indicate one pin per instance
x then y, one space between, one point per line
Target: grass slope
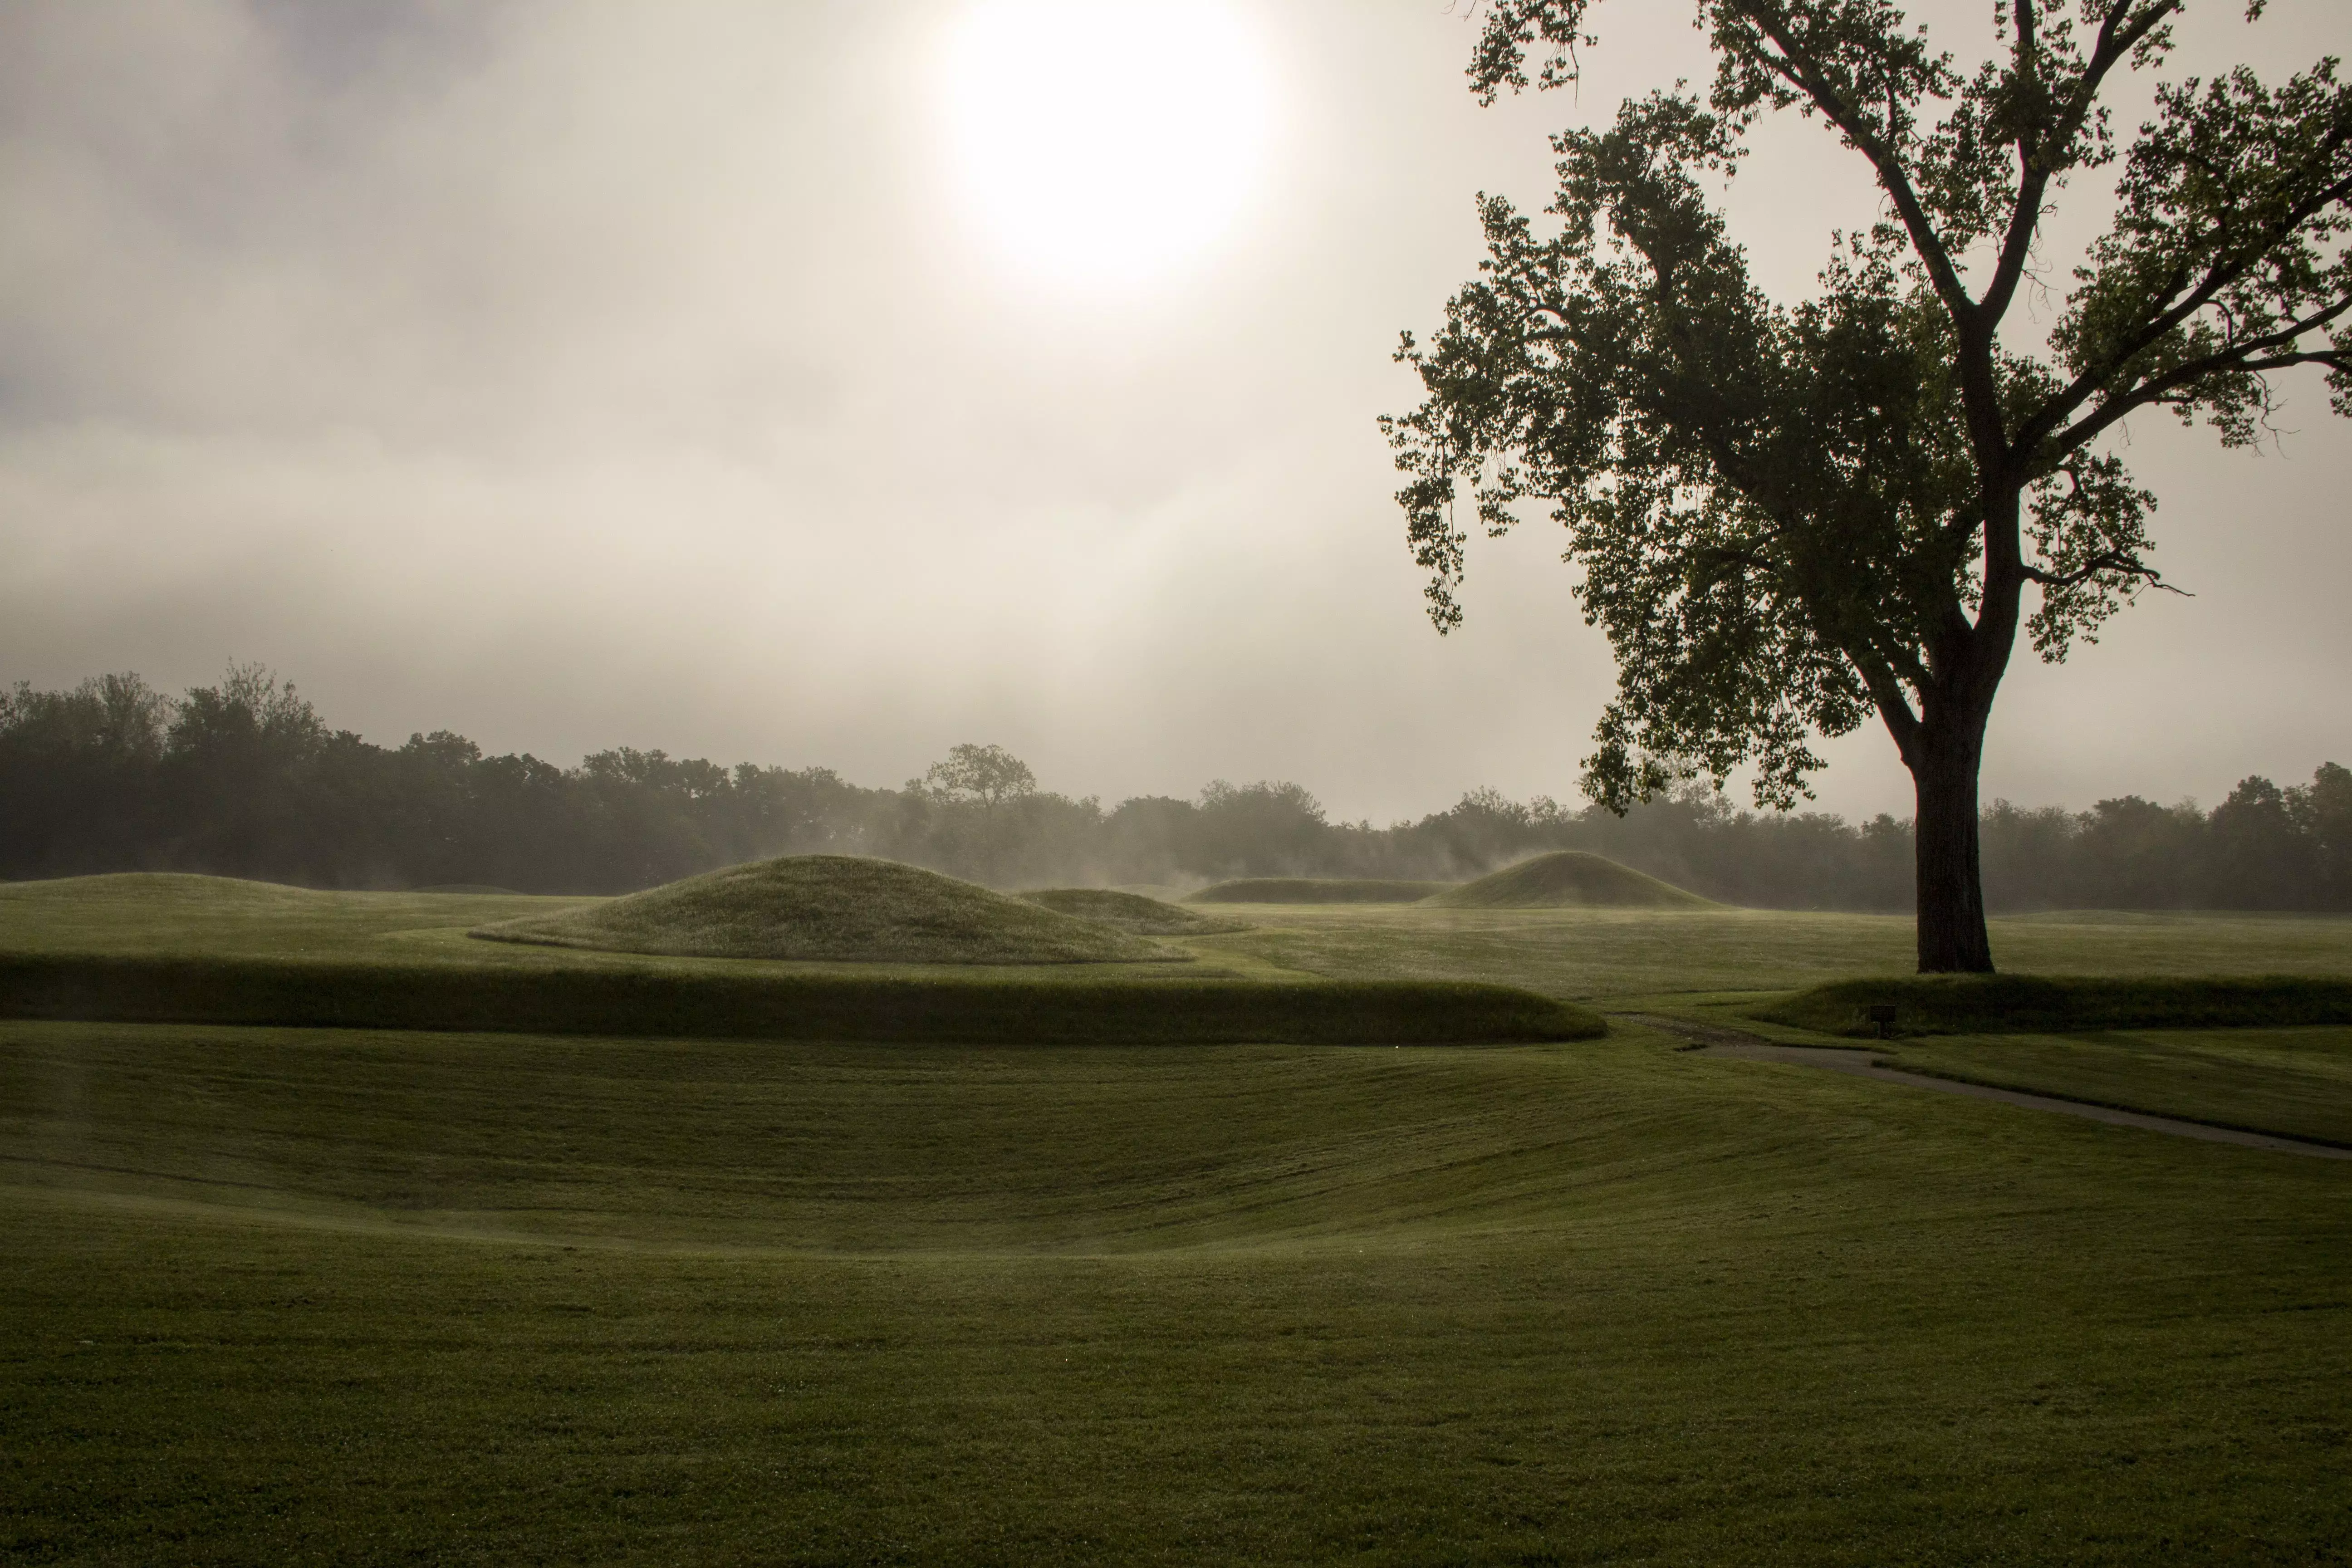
1130 912
2019 1004
278 1296
779 1004
1569 878
1315 890
2297 1082
841 908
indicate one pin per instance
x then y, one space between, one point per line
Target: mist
575 377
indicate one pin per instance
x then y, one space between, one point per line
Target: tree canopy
987 776
1792 516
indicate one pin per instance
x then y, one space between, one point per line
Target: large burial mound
1129 912
1315 890
1568 879
837 907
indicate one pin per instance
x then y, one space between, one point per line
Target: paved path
1715 1041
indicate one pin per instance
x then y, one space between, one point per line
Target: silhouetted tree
1258 830
1790 517
2322 812
77 775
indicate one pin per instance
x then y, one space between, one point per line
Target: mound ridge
1568 879
1129 912
1315 891
842 907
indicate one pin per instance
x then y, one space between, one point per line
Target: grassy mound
840 908
1568 879
1315 891
1130 912
2057 1003
779 1004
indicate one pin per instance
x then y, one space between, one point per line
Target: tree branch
1886 695
2218 279
1803 72
2115 560
2239 358
2116 43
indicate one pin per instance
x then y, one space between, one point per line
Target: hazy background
579 374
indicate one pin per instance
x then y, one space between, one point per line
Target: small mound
1568 879
1315 891
838 907
1129 912
464 887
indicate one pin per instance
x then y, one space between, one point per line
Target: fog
576 375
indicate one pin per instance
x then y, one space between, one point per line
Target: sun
1105 144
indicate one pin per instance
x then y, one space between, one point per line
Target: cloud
580 376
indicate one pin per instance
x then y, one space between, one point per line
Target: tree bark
1952 936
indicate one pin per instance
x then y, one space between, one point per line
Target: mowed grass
2295 1082
1615 957
1581 954
361 1296
304 1296
202 949
1131 912
2073 1004
1315 890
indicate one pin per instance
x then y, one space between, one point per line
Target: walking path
1714 1040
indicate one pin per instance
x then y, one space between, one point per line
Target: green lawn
2296 1081
280 1294
1607 955
1594 1302
1581 954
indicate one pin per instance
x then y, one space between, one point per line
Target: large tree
1791 516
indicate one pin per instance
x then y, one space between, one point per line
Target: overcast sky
832 381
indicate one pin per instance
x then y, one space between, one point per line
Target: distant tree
77 773
243 780
1788 518
987 776
1260 829
2254 855
2322 810
2133 854
973 836
2027 855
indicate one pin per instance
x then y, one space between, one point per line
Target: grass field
203 950
377 1296
1619 955
2296 1081
1132 913
1909 1004
1315 890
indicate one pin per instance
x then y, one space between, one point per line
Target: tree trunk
1952 937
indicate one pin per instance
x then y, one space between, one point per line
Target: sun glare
1105 143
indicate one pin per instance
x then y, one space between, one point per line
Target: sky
830 382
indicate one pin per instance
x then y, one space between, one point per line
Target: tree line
244 778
